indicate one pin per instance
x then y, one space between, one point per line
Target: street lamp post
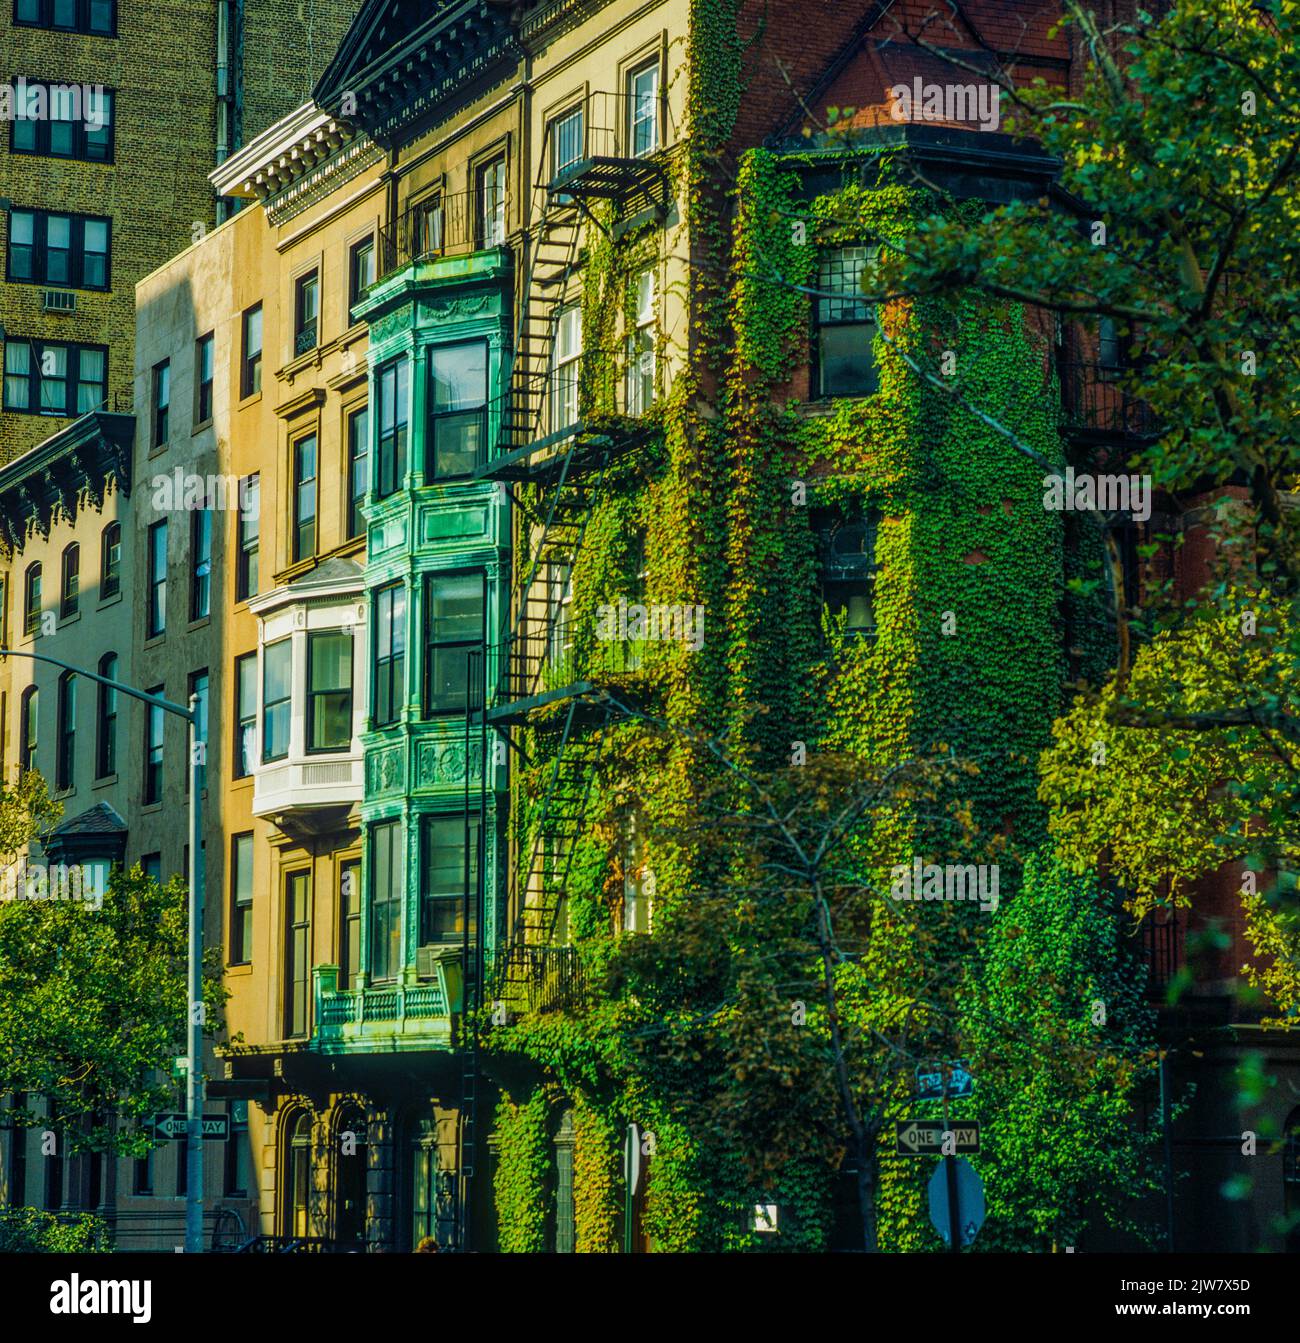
194 1006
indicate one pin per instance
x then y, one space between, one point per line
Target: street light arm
157 700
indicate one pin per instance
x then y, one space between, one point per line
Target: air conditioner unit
59 300
426 962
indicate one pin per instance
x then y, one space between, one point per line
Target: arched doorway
296 1181
351 1156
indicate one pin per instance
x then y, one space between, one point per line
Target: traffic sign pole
950 1175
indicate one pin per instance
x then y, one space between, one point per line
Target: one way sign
176 1126
924 1137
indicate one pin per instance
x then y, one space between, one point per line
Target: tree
92 997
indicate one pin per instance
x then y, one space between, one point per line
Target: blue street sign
970 1201
930 1080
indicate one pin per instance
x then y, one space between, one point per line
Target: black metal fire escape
546 443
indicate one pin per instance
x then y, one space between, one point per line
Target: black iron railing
449 224
1093 398
1163 947
549 979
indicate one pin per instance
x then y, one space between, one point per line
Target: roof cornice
295 146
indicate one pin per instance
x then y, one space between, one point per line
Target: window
457 409
566 141
391 386
162 399
296 1213
564 370
350 1180
151 865
361 270
1110 350
390 653
306 312
245 714
565 1213
329 690
203 373
106 720
70 581
32 599
638 881
442 878
142 1175
65 761
198 685
358 469
491 192
110 560
641 346
250 514
349 923
16 1186
304 498
153 750
845 326
241 898
643 110
297 952
277 666
430 1190
250 375
49 378
237 1178
67 250
63 121
31 717
426 227
95 17
201 564
848 570
385 900
157 613
453 628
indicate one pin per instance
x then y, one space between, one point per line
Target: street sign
924 1137
930 1080
970 1201
216 1127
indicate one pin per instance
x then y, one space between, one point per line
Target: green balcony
388 1018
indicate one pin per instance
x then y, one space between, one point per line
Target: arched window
106 720
295 1188
30 720
110 560
70 581
352 1151
32 599
65 762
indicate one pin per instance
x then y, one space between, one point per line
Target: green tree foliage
93 998
1061 1042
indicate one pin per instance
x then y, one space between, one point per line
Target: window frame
250 365
468 414
491 228
110 571
565 372
349 906
33 601
65 742
306 330
652 66
151 792
241 909
356 291
574 111
70 580
297 941
391 444
205 350
358 464
384 954
73 382
428 900
80 26
243 719
29 728
248 550
160 399
200 564
304 527
394 664
428 645
77 253
106 720
285 701
156 610
641 348
43 140
822 323
313 637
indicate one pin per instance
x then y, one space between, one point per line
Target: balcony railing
449 224
388 1015
1093 399
548 979
591 147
